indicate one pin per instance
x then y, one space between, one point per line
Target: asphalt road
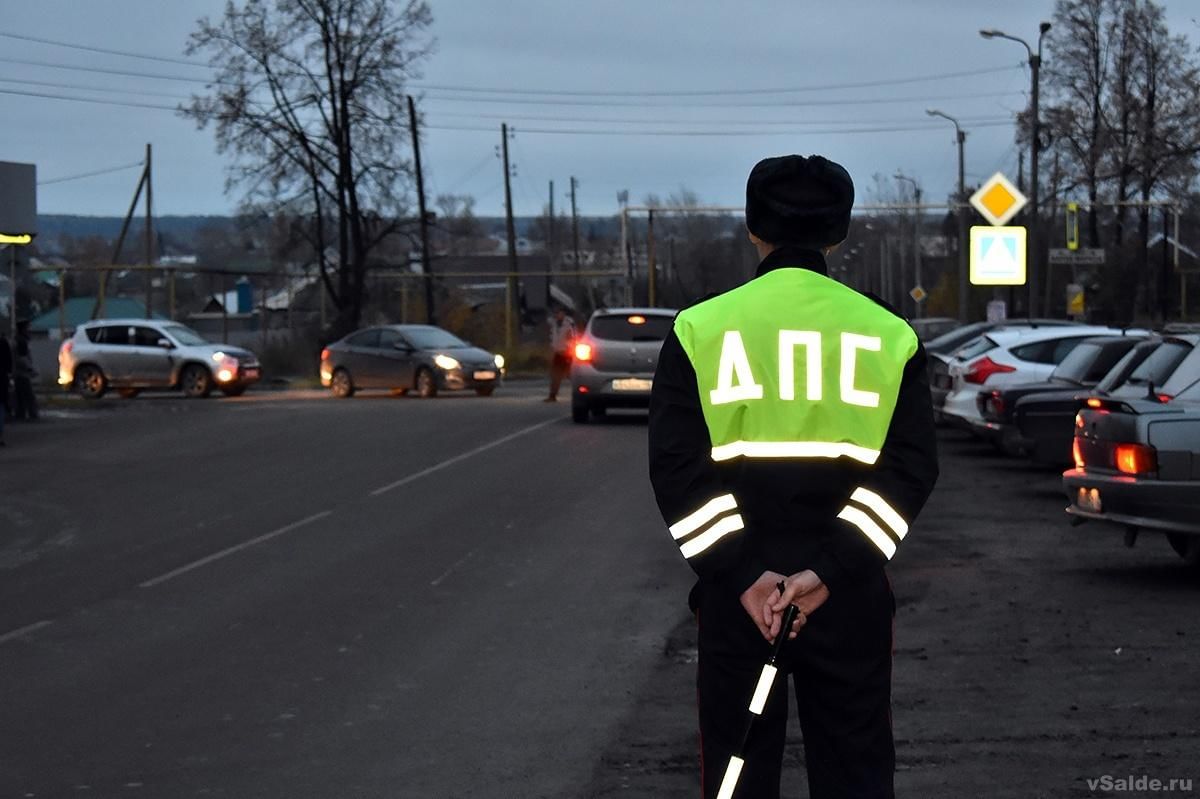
286 595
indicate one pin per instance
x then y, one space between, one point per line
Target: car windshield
185 335
631 327
1077 365
975 348
948 342
1161 364
433 338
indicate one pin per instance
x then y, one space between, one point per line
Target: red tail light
1077 454
66 347
1164 398
984 368
583 352
325 354
1135 459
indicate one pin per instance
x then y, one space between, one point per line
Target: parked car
1167 371
942 349
1046 421
931 327
1137 464
130 355
421 358
615 359
1081 370
1006 357
947 343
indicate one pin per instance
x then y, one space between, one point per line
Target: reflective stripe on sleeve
711 510
872 530
763 689
794 449
886 513
727 525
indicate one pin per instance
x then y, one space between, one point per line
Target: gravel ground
1031 657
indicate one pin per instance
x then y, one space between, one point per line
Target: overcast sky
736 46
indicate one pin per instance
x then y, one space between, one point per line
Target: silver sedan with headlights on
420 358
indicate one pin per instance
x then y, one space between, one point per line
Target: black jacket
790 507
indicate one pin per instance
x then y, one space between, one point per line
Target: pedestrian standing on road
6 367
24 373
791 447
562 339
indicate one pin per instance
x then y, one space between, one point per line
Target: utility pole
430 316
149 238
552 232
575 225
651 260
512 298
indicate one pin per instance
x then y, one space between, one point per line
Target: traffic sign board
918 294
998 256
998 199
1088 256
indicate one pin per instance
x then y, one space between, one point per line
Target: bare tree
308 97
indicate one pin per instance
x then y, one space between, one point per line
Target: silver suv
615 359
133 354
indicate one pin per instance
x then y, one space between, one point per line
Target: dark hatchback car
1137 464
1082 369
421 358
1045 422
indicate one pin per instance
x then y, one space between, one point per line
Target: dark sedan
421 358
1137 464
1046 422
1082 369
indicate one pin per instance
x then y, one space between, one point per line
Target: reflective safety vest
794 364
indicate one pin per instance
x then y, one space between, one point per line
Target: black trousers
841 672
25 406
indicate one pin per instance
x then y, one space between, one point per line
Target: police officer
791 447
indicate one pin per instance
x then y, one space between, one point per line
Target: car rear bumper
594 387
1172 506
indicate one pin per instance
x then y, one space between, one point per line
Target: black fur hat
799 201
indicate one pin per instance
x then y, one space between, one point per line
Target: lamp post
1035 65
916 237
963 277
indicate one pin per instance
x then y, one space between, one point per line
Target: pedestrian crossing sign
998 256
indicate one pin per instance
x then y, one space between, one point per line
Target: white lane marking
23 631
453 567
235 548
437 467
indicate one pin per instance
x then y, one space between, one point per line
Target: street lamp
916 236
961 136
1035 64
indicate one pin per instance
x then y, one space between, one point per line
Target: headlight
446 362
499 361
218 357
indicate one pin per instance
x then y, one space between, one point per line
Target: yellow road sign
998 199
998 256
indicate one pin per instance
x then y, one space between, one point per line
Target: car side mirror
166 344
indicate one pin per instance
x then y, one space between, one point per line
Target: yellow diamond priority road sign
998 199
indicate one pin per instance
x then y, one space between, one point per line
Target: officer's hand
804 590
757 598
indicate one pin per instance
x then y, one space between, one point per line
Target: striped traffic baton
757 703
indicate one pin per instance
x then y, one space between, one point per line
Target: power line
693 121
91 49
775 104
94 101
107 71
722 92
97 172
731 133
86 88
